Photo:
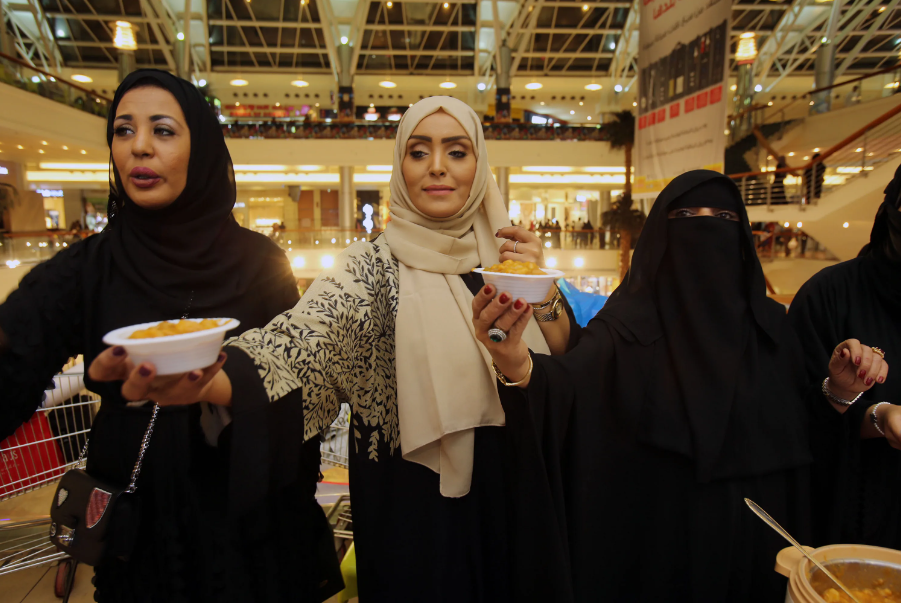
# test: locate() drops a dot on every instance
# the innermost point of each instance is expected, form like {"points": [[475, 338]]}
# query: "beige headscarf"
{"points": [[445, 385]]}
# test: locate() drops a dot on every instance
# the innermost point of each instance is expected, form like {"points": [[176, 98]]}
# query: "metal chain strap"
{"points": [[132, 485]]}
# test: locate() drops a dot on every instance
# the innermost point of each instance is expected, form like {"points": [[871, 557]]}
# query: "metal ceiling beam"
{"points": [[107, 18], [875, 27], [155, 26], [329, 27], [626, 51], [356, 32], [47, 38], [525, 36]]}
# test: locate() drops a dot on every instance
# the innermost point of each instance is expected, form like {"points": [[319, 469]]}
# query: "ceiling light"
{"points": [[82, 78], [20, 146], [551, 262], [260, 168], [791, 154], [589, 118], [786, 225], [446, 5], [726, 132], [534, 86], [327, 261], [65, 148], [387, 84], [298, 262], [379, 168], [344, 39], [44, 142], [593, 87], [601, 169], [618, 88], [546, 168], [733, 87], [390, 4], [60, 33], [371, 105], [747, 48], [74, 166], [806, 157], [201, 83], [572, 112], [769, 104], [447, 85], [124, 38], [859, 150], [300, 83], [237, 104], [581, 103], [584, 7], [579, 262], [180, 36], [634, 104], [83, 152], [481, 86], [816, 150], [41, 151], [800, 224], [542, 103], [238, 82], [881, 10], [758, 88], [612, 45], [278, 104], [845, 225], [35, 79]]}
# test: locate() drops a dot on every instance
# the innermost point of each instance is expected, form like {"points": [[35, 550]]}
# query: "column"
{"points": [[346, 106], [824, 75], [742, 101], [503, 183], [126, 63], [317, 209], [347, 203], [290, 208], [502, 97]]}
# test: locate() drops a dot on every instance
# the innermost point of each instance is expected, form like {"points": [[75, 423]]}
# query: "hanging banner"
{"points": [[682, 75]]}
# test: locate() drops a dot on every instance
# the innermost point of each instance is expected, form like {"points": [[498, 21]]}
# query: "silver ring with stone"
{"points": [[515, 243], [496, 335]]}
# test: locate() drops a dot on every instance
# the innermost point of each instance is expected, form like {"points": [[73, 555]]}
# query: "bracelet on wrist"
{"points": [[874, 418], [503, 379], [836, 399]]}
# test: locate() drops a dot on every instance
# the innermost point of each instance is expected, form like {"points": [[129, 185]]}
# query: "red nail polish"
{"points": [[869, 381], [145, 372], [880, 379], [862, 374], [193, 376], [504, 298], [221, 357], [118, 351], [857, 361], [488, 290], [518, 304]]}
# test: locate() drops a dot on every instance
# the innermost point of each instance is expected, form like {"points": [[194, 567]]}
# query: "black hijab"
{"points": [[695, 298], [190, 258], [186, 254], [885, 238]]}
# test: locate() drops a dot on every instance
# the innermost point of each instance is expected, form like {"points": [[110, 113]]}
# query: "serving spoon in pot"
{"points": [[775, 525]]}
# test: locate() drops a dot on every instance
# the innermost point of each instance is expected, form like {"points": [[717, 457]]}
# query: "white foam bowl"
{"points": [[533, 288], [173, 354]]}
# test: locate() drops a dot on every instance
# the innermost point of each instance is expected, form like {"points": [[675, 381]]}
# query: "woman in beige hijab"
{"points": [[447, 505]]}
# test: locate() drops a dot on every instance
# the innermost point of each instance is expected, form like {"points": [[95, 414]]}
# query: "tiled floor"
{"points": [[36, 585]]}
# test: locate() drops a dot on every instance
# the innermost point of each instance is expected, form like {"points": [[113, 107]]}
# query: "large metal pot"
{"points": [[857, 566]]}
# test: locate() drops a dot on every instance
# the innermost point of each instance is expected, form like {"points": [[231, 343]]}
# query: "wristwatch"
{"points": [[553, 305]]}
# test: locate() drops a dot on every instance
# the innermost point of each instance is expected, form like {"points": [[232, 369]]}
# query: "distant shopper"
{"points": [[847, 316], [814, 177], [227, 513], [777, 192]]}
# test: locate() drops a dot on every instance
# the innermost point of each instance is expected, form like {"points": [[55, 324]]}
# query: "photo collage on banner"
{"points": [[682, 88]]}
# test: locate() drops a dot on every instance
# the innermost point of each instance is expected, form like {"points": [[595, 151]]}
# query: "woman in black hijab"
{"points": [[839, 314], [683, 397], [226, 500]]}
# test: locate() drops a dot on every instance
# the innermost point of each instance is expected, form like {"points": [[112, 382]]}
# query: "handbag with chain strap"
{"points": [[91, 519]]}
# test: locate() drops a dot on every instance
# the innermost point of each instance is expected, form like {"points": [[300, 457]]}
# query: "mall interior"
{"points": [[309, 94]]}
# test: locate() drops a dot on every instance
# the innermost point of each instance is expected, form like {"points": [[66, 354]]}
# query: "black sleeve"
{"points": [[575, 330], [816, 314], [285, 294], [42, 327]]}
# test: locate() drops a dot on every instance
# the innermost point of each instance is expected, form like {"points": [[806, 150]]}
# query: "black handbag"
{"points": [[92, 520]]}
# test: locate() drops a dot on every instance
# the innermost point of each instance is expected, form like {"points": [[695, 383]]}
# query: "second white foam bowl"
{"points": [[173, 354], [533, 288]]}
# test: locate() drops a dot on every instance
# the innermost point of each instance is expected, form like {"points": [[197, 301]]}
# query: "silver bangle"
{"points": [[835, 398], [875, 419]]}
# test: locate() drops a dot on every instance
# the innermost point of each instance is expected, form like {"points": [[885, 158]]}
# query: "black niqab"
{"points": [[885, 238], [697, 283]]}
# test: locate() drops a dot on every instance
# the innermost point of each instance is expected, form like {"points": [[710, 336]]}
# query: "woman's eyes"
{"points": [[159, 131], [683, 213], [727, 215], [458, 154], [418, 154]]}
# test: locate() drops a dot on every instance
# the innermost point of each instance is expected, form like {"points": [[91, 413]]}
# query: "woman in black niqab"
{"points": [[682, 398], [216, 491], [856, 473]]}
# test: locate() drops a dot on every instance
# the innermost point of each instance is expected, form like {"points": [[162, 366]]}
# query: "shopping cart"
{"points": [[35, 456]]}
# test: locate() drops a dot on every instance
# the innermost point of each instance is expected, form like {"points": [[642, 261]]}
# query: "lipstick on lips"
{"points": [[438, 190], [143, 177]]}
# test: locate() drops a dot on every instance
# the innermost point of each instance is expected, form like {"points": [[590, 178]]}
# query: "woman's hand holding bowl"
{"points": [[490, 310], [142, 383], [527, 245]]}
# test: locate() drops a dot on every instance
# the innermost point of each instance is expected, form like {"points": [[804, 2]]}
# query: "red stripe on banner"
{"points": [[652, 118], [642, 122], [702, 99], [716, 95], [661, 115], [689, 104], [674, 110]]}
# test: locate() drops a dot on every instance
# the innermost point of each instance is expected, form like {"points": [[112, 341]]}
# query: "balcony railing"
{"points": [[856, 155], [388, 130], [20, 74]]}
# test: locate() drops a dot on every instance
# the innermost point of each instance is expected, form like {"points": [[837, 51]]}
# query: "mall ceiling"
{"points": [[435, 37]]}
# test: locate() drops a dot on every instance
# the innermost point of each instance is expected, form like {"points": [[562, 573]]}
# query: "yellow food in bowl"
{"points": [[512, 267], [166, 328], [864, 595]]}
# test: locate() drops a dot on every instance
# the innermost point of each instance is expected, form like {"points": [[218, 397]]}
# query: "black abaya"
{"points": [[652, 446], [214, 507], [855, 482]]}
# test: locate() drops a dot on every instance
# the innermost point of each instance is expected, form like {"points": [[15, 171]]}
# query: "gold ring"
{"points": [[878, 351]]}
